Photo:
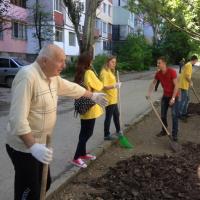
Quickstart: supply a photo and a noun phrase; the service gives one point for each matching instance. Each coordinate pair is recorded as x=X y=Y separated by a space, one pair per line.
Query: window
x=59 y=34
x=104 y=45
x=104 y=7
x=20 y=3
x=1 y=31
x=57 y=5
x=107 y=45
x=12 y=64
x=109 y=10
x=72 y=39
x=19 y=31
x=4 y=63
x=109 y=28
x=104 y=27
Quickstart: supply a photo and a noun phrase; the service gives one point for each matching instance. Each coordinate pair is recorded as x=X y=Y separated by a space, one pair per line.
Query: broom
x=123 y=141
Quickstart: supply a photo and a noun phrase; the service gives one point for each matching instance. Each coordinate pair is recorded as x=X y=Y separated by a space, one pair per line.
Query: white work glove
x=41 y=153
x=118 y=85
x=99 y=98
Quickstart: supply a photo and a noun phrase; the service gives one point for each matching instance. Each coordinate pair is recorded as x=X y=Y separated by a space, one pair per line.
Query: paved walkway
x=133 y=91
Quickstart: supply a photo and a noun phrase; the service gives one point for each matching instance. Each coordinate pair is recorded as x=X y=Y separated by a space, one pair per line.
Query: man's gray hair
x=45 y=52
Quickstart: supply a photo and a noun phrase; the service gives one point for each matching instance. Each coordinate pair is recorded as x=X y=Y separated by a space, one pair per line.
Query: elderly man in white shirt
x=32 y=117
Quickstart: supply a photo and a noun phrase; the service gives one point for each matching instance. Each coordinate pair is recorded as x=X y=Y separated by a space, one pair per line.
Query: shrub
x=135 y=52
x=99 y=61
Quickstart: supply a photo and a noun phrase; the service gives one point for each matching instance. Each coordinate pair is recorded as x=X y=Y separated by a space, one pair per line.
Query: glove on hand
x=99 y=98
x=118 y=85
x=41 y=153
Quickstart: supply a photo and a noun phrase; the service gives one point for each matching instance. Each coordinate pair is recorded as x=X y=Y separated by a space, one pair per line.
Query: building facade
x=113 y=23
x=13 y=40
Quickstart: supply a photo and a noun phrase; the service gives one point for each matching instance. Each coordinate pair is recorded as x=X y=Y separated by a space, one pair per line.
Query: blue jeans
x=183 y=104
x=164 y=108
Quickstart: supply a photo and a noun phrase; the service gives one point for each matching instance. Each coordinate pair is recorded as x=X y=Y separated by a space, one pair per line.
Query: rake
x=123 y=141
x=174 y=145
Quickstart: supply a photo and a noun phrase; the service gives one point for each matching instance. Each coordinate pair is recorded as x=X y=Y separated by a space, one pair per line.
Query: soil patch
x=194 y=108
x=150 y=177
x=149 y=171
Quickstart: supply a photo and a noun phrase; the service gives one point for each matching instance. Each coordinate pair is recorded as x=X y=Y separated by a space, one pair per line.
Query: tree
x=174 y=11
x=41 y=21
x=4 y=8
x=75 y=9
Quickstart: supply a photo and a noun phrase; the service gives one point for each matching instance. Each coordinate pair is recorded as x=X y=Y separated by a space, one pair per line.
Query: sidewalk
x=66 y=133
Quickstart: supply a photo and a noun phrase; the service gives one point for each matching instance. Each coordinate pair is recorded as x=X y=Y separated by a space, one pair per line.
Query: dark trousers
x=111 y=110
x=87 y=128
x=164 y=108
x=28 y=175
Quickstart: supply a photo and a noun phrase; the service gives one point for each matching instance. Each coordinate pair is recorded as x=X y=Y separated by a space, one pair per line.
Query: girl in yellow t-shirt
x=108 y=78
x=84 y=75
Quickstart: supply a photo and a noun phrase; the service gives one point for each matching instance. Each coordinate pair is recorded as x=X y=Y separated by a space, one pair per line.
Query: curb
x=59 y=184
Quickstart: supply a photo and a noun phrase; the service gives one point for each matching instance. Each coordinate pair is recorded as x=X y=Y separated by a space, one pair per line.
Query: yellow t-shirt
x=108 y=79
x=93 y=84
x=186 y=71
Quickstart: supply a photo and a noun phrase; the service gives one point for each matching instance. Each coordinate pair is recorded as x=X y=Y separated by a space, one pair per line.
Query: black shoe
x=183 y=119
x=162 y=133
x=175 y=139
x=187 y=115
x=109 y=138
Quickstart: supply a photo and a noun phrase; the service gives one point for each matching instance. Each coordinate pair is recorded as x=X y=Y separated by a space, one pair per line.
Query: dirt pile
x=150 y=177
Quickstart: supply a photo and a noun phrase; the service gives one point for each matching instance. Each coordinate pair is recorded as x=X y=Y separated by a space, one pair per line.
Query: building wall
x=32 y=42
x=104 y=15
x=123 y=21
x=9 y=44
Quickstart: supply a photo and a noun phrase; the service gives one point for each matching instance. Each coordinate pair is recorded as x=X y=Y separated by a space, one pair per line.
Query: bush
x=99 y=62
x=70 y=67
x=135 y=52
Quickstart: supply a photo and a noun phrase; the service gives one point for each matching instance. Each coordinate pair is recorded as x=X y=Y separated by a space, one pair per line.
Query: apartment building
x=13 y=40
x=113 y=23
x=103 y=28
x=123 y=20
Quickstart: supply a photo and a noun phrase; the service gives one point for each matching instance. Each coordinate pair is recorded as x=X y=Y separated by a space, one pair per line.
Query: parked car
x=9 y=68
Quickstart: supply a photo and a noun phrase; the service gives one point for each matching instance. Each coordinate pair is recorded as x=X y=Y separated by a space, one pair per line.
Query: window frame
x=21 y=30
x=60 y=30
x=109 y=10
x=74 y=41
x=7 y=60
x=57 y=7
x=104 y=27
x=104 y=8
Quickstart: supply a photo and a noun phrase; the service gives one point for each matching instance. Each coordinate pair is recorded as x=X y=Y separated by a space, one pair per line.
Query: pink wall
x=8 y=44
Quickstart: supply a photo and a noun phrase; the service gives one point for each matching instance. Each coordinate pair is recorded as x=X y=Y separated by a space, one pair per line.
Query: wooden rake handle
x=119 y=100
x=195 y=93
x=45 y=173
x=158 y=116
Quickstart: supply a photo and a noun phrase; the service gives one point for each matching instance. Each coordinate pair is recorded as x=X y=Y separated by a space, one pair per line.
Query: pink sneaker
x=79 y=163
x=88 y=157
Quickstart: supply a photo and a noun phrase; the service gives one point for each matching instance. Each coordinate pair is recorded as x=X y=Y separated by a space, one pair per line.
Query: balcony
x=58 y=18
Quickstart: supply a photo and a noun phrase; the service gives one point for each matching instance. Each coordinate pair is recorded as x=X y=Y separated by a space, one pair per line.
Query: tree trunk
x=89 y=25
